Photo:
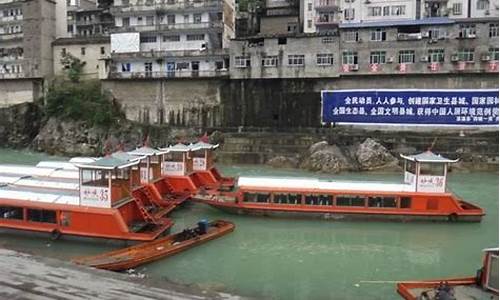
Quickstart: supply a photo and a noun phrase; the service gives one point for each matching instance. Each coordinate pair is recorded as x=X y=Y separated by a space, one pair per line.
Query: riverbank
x=34 y=277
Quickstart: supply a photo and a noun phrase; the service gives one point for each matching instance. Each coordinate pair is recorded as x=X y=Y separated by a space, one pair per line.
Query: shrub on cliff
x=82 y=102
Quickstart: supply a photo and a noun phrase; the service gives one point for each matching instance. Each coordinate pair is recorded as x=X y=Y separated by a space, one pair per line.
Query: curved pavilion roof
x=146 y=151
x=429 y=157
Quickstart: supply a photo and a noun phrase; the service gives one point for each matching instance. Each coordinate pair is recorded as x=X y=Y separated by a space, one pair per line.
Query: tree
x=73 y=66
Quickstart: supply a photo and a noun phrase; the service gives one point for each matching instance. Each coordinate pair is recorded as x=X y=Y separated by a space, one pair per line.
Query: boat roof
x=126 y=156
x=322 y=185
x=202 y=146
x=177 y=148
x=109 y=163
x=81 y=159
x=9 y=170
x=57 y=165
x=28 y=181
x=146 y=151
x=490 y=250
x=39 y=195
x=428 y=156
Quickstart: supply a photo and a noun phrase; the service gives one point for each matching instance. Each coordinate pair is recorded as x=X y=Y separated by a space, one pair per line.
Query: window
x=406 y=56
x=10 y=212
x=70 y=28
x=148 y=39
x=467 y=31
x=282 y=41
x=431 y=169
x=195 y=37
x=148 y=68
x=139 y=20
x=493 y=54
x=82 y=50
x=241 y=61
x=126 y=22
x=466 y=55
x=349 y=14
x=324 y=59
x=405 y=202
x=437 y=33
x=387 y=10
x=382 y=202
x=170 y=19
x=197 y=18
x=292 y=27
x=309 y=6
x=125 y=67
x=483 y=4
x=309 y=23
x=295 y=60
x=457 y=9
x=42 y=215
x=186 y=18
x=377 y=57
x=270 y=61
x=351 y=36
x=171 y=38
x=375 y=11
x=150 y=20
x=287 y=198
x=318 y=200
x=103 y=51
x=350 y=201
x=350 y=58
x=63 y=51
x=256 y=197
x=125 y=2
x=492 y=276
x=398 y=10
x=378 y=35
x=493 y=30
x=436 y=55
x=328 y=40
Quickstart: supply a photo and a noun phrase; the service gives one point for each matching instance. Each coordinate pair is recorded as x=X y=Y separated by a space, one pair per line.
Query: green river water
x=310 y=259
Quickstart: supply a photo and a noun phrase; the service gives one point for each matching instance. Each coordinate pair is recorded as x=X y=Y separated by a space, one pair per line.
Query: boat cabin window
x=255 y=197
x=319 y=200
x=411 y=167
x=350 y=201
x=432 y=169
x=492 y=279
x=42 y=215
x=287 y=198
x=94 y=177
x=10 y=212
x=382 y=202
x=405 y=202
x=174 y=156
x=121 y=174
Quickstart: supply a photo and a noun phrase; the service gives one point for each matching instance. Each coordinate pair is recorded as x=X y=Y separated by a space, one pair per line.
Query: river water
x=310 y=259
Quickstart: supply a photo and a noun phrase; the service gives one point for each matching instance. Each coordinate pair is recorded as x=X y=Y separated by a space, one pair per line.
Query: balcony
x=330 y=5
x=165 y=7
x=169 y=74
x=12 y=75
x=169 y=27
x=11 y=19
x=409 y=36
x=219 y=52
x=327 y=21
x=11 y=36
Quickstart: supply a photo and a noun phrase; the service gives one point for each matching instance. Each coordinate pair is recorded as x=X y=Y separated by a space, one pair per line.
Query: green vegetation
x=82 y=102
x=73 y=66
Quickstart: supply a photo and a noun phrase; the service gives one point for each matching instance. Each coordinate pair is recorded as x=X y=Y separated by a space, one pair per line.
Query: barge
x=483 y=285
x=422 y=196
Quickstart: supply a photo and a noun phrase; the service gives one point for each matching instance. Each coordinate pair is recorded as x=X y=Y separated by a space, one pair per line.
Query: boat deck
x=461 y=292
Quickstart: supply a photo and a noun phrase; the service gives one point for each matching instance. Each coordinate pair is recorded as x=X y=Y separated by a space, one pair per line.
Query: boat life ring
x=55 y=234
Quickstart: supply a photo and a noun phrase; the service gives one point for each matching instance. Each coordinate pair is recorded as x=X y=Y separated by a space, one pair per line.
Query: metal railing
x=168 y=74
x=167 y=6
x=176 y=26
x=11 y=36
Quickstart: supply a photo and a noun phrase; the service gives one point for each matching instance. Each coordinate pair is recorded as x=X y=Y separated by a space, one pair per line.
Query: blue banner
x=420 y=107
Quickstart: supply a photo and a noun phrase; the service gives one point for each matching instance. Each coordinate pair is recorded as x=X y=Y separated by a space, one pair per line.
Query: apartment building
x=170 y=38
x=280 y=16
x=88 y=18
x=27 y=27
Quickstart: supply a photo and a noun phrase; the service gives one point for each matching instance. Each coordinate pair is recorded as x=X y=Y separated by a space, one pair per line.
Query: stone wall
x=16 y=91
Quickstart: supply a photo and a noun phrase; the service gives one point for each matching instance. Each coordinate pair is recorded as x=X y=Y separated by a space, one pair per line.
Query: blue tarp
x=420 y=107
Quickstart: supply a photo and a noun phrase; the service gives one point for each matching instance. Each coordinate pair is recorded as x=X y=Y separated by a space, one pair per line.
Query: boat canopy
x=428 y=157
x=146 y=151
x=202 y=146
x=177 y=148
x=109 y=163
x=126 y=156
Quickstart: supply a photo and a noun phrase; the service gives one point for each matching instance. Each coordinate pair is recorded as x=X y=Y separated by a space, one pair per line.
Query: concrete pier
x=24 y=276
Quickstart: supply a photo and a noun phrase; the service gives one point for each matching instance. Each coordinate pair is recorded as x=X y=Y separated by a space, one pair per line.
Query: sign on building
x=125 y=42
x=411 y=106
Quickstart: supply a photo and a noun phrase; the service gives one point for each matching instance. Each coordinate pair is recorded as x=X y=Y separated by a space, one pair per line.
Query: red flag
x=345 y=68
x=402 y=68
x=204 y=138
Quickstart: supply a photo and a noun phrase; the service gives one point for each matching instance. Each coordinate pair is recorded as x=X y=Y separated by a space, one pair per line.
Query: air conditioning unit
x=485 y=57
x=203 y=47
x=390 y=60
x=425 y=34
x=470 y=35
x=353 y=67
x=454 y=58
x=487 y=12
x=424 y=59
